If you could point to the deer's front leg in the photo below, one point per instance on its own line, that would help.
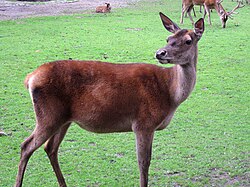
(144, 150)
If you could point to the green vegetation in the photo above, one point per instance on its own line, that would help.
(207, 142)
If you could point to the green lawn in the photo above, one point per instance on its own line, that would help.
(207, 142)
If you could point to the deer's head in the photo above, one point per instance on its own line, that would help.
(181, 47)
(223, 18)
(108, 6)
(225, 15)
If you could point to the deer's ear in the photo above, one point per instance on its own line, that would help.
(169, 24)
(199, 28)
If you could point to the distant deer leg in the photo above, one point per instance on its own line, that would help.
(207, 10)
(144, 150)
(190, 10)
(201, 8)
(51, 148)
(194, 12)
(182, 14)
(183, 11)
(33, 142)
(189, 14)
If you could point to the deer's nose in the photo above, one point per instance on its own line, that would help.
(161, 53)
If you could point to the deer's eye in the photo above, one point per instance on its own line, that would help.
(188, 42)
(167, 40)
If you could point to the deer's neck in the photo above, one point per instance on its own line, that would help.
(184, 81)
(218, 9)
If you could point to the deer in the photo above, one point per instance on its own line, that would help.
(103, 9)
(187, 6)
(103, 97)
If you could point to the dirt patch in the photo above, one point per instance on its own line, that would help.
(21, 9)
(219, 177)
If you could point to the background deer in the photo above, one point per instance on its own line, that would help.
(103, 9)
(104, 98)
(187, 6)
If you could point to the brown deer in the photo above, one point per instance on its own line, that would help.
(103, 9)
(187, 6)
(104, 97)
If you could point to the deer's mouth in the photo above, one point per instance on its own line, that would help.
(165, 60)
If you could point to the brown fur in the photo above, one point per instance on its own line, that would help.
(102, 97)
(107, 86)
(103, 9)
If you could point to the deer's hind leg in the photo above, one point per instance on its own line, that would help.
(51, 115)
(32, 143)
(51, 148)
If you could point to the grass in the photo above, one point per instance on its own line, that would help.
(207, 142)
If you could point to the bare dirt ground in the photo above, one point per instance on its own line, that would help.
(10, 9)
